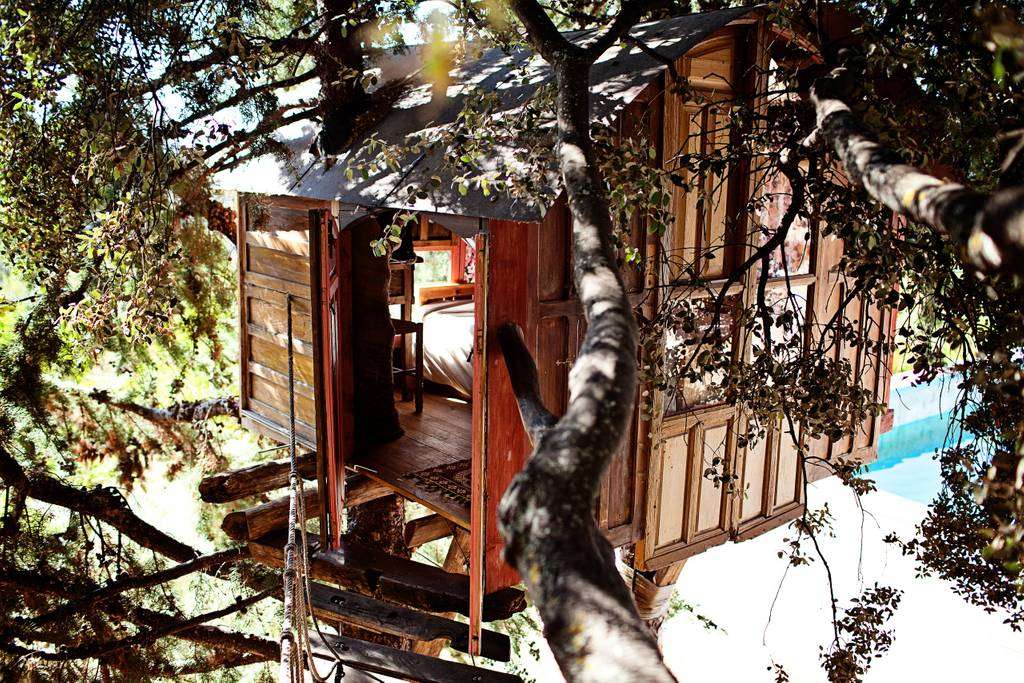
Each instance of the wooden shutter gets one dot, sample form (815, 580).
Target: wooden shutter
(688, 512)
(869, 363)
(700, 233)
(273, 262)
(330, 261)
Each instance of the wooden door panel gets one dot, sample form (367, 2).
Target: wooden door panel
(771, 485)
(511, 295)
(688, 511)
(711, 503)
(673, 459)
(330, 265)
(754, 478)
(787, 482)
(273, 264)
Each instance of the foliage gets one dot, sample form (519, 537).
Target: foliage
(863, 634)
(677, 605)
(116, 267)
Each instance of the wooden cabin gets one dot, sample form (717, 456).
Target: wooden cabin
(484, 261)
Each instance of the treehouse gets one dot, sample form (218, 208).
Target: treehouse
(477, 262)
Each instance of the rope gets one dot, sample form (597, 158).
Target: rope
(297, 593)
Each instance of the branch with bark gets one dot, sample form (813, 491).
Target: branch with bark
(217, 638)
(987, 227)
(546, 515)
(185, 411)
(99, 649)
(98, 596)
(103, 503)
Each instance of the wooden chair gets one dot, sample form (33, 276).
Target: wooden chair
(406, 327)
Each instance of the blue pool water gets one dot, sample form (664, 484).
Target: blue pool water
(906, 462)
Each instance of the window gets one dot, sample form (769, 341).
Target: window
(436, 267)
(698, 353)
(794, 256)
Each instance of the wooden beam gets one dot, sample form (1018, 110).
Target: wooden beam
(379, 659)
(393, 579)
(423, 530)
(225, 487)
(250, 523)
(383, 617)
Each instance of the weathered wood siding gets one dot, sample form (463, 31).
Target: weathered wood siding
(273, 261)
(686, 512)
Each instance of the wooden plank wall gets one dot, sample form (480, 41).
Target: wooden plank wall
(870, 363)
(559, 334)
(511, 277)
(686, 513)
(273, 261)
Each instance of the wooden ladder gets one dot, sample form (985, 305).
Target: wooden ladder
(365, 587)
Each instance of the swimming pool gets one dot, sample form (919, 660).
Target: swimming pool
(906, 462)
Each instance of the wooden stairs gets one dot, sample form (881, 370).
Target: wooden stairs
(362, 586)
(380, 659)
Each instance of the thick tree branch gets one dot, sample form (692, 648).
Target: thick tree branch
(218, 660)
(541, 31)
(102, 649)
(545, 516)
(71, 587)
(186, 411)
(242, 95)
(623, 22)
(988, 228)
(211, 636)
(90, 600)
(105, 504)
(522, 370)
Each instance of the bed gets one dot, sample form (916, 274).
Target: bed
(448, 344)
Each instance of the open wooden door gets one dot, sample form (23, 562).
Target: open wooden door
(331, 289)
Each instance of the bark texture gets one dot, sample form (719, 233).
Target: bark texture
(546, 515)
(104, 504)
(69, 587)
(186, 411)
(375, 418)
(989, 228)
(339, 65)
(378, 523)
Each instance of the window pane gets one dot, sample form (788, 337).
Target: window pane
(469, 265)
(794, 256)
(436, 267)
(789, 313)
(698, 353)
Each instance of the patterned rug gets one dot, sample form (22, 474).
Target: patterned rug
(450, 480)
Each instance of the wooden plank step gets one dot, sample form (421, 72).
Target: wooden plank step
(395, 465)
(423, 530)
(387, 661)
(384, 617)
(224, 487)
(393, 579)
(242, 525)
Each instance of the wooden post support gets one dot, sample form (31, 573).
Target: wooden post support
(478, 471)
(330, 277)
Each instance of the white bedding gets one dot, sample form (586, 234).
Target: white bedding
(448, 344)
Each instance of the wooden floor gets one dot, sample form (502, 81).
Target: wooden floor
(431, 463)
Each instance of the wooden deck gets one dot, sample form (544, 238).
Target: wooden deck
(431, 463)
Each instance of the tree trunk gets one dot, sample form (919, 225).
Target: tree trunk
(988, 228)
(379, 523)
(546, 515)
(652, 592)
(339, 65)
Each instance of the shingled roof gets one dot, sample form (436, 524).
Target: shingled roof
(616, 79)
